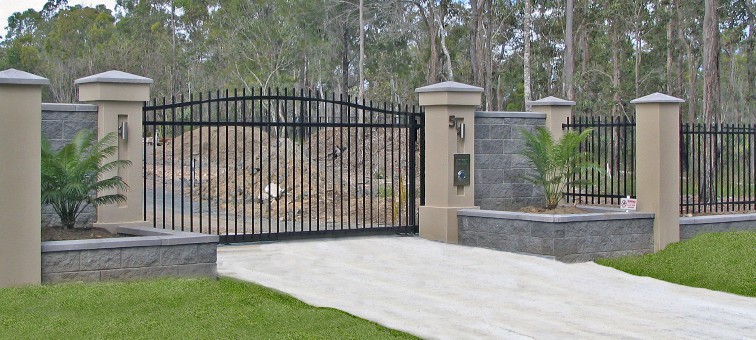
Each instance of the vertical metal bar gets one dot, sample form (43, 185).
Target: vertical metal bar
(349, 163)
(317, 164)
(422, 162)
(698, 173)
(235, 162)
(309, 160)
(173, 163)
(683, 160)
(262, 120)
(270, 145)
(333, 165)
(226, 168)
(244, 160)
(394, 166)
(288, 113)
(411, 172)
(162, 170)
(183, 178)
(385, 165)
(302, 132)
(200, 173)
(364, 163)
(217, 162)
(341, 158)
(154, 165)
(144, 161)
(372, 174)
(192, 162)
(595, 150)
(278, 163)
(401, 200)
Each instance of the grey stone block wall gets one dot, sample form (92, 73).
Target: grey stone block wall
(177, 254)
(499, 166)
(60, 122)
(692, 226)
(566, 238)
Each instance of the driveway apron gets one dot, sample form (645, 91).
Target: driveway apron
(442, 291)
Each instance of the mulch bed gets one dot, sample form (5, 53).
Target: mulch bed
(62, 234)
(558, 210)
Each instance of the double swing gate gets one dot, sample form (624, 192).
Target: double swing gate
(265, 165)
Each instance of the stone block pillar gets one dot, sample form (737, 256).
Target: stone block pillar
(657, 165)
(20, 177)
(449, 130)
(120, 97)
(557, 111)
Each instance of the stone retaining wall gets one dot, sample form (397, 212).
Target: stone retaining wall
(498, 162)
(154, 253)
(692, 226)
(567, 238)
(60, 122)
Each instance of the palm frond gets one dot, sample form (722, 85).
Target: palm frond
(72, 176)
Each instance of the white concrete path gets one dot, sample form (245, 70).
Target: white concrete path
(443, 291)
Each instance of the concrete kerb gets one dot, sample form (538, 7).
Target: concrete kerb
(146, 237)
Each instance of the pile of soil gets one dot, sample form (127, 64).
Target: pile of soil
(569, 209)
(63, 234)
(278, 177)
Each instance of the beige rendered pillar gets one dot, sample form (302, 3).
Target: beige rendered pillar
(120, 97)
(557, 111)
(657, 165)
(20, 185)
(448, 105)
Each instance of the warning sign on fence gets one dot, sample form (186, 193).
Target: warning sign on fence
(628, 203)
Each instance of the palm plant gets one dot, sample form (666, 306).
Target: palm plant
(555, 162)
(72, 176)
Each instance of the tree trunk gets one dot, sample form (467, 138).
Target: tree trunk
(569, 52)
(692, 74)
(474, 61)
(445, 50)
(751, 62)
(733, 89)
(488, 56)
(345, 62)
(711, 97)
(526, 55)
(638, 51)
(429, 17)
(678, 49)
(615, 72)
(361, 91)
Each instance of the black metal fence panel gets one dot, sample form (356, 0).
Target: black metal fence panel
(270, 164)
(717, 168)
(611, 145)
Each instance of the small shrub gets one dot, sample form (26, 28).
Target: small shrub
(555, 162)
(72, 176)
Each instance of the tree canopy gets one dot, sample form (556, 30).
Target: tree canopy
(618, 50)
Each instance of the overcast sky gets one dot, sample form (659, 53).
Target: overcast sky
(8, 7)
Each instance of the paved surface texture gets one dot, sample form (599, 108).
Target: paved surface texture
(436, 290)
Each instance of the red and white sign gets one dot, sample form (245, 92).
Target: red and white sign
(628, 203)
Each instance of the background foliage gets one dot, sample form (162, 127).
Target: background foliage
(622, 49)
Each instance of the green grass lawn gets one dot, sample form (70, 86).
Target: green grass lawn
(173, 308)
(721, 261)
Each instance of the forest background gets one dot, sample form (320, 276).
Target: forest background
(599, 53)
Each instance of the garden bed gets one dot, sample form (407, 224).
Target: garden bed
(149, 253)
(564, 237)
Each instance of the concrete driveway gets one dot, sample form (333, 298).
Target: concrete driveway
(436, 290)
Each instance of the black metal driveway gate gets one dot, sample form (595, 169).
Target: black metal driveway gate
(269, 164)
